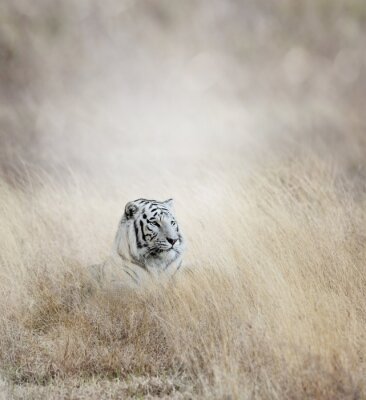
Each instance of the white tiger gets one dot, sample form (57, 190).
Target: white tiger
(148, 245)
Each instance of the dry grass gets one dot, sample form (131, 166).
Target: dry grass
(273, 306)
(250, 114)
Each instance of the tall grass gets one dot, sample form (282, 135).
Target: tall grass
(194, 100)
(272, 305)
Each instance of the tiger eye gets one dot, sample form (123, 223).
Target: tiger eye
(144, 216)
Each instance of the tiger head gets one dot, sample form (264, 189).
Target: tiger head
(149, 235)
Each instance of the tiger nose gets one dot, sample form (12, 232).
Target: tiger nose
(172, 241)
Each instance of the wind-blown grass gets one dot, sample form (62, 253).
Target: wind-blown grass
(194, 100)
(272, 305)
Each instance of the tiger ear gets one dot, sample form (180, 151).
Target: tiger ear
(130, 209)
(169, 203)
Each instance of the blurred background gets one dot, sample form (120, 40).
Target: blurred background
(249, 113)
(122, 90)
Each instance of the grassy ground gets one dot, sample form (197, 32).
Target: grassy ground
(249, 114)
(273, 306)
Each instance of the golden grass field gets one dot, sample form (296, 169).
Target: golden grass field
(252, 118)
(273, 306)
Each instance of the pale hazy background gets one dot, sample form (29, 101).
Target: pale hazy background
(124, 90)
(251, 115)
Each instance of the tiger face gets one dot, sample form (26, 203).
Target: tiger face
(149, 234)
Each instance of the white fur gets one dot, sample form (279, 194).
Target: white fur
(131, 265)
